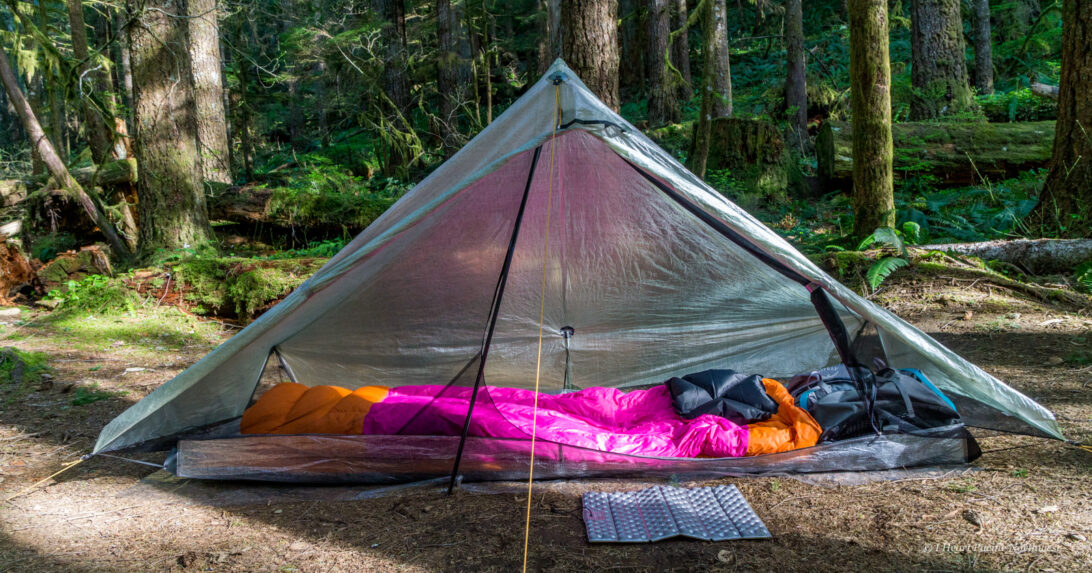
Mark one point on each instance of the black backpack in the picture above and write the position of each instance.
(902, 401)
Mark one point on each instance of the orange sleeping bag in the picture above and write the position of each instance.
(292, 408)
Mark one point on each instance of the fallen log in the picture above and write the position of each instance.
(1034, 256)
(245, 204)
(953, 154)
(112, 173)
(1044, 90)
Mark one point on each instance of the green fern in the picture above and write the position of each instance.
(883, 269)
(884, 236)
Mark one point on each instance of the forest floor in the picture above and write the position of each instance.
(1025, 505)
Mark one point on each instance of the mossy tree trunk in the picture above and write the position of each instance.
(590, 45)
(796, 93)
(208, 90)
(172, 197)
(1065, 205)
(870, 94)
(983, 48)
(716, 91)
(938, 70)
(680, 49)
(663, 106)
(721, 69)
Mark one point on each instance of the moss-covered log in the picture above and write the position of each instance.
(275, 210)
(954, 154)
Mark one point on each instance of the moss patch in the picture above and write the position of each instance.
(239, 287)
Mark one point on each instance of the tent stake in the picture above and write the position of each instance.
(493, 313)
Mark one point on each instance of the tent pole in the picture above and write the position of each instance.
(493, 314)
(284, 366)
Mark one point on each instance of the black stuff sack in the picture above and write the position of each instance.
(739, 398)
(903, 401)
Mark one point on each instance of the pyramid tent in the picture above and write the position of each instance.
(640, 271)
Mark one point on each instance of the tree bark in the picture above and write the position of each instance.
(173, 213)
(125, 69)
(680, 50)
(246, 147)
(1065, 204)
(53, 161)
(590, 45)
(722, 65)
(870, 95)
(395, 84)
(91, 78)
(452, 70)
(796, 93)
(662, 103)
(716, 92)
(53, 95)
(208, 90)
(938, 70)
(983, 48)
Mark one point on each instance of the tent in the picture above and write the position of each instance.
(639, 271)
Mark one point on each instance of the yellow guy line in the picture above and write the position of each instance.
(541, 318)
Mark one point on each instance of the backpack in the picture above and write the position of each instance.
(902, 401)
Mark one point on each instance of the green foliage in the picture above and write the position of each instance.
(48, 247)
(315, 249)
(1017, 105)
(85, 395)
(26, 366)
(895, 240)
(1082, 275)
(883, 268)
(233, 286)
(94, 294)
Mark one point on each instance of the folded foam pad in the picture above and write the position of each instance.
(292, 408)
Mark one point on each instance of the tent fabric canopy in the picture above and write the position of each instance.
(648, 287)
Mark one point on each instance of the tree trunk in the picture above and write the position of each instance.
(1065, 204)
(53, 94)
(53, 161)
(125, 69)
(395, 84)
(208, 90)
(98, 132)
(716, 93)
(983, 49)
(870, 95)
(452, 70)
(722, 66)
(663, 106)
(246, 147)
(590, 45)
(172, 207)
(938, 69)
(796, 93)
(680, 50)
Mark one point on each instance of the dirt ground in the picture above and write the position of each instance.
(1025, 505)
